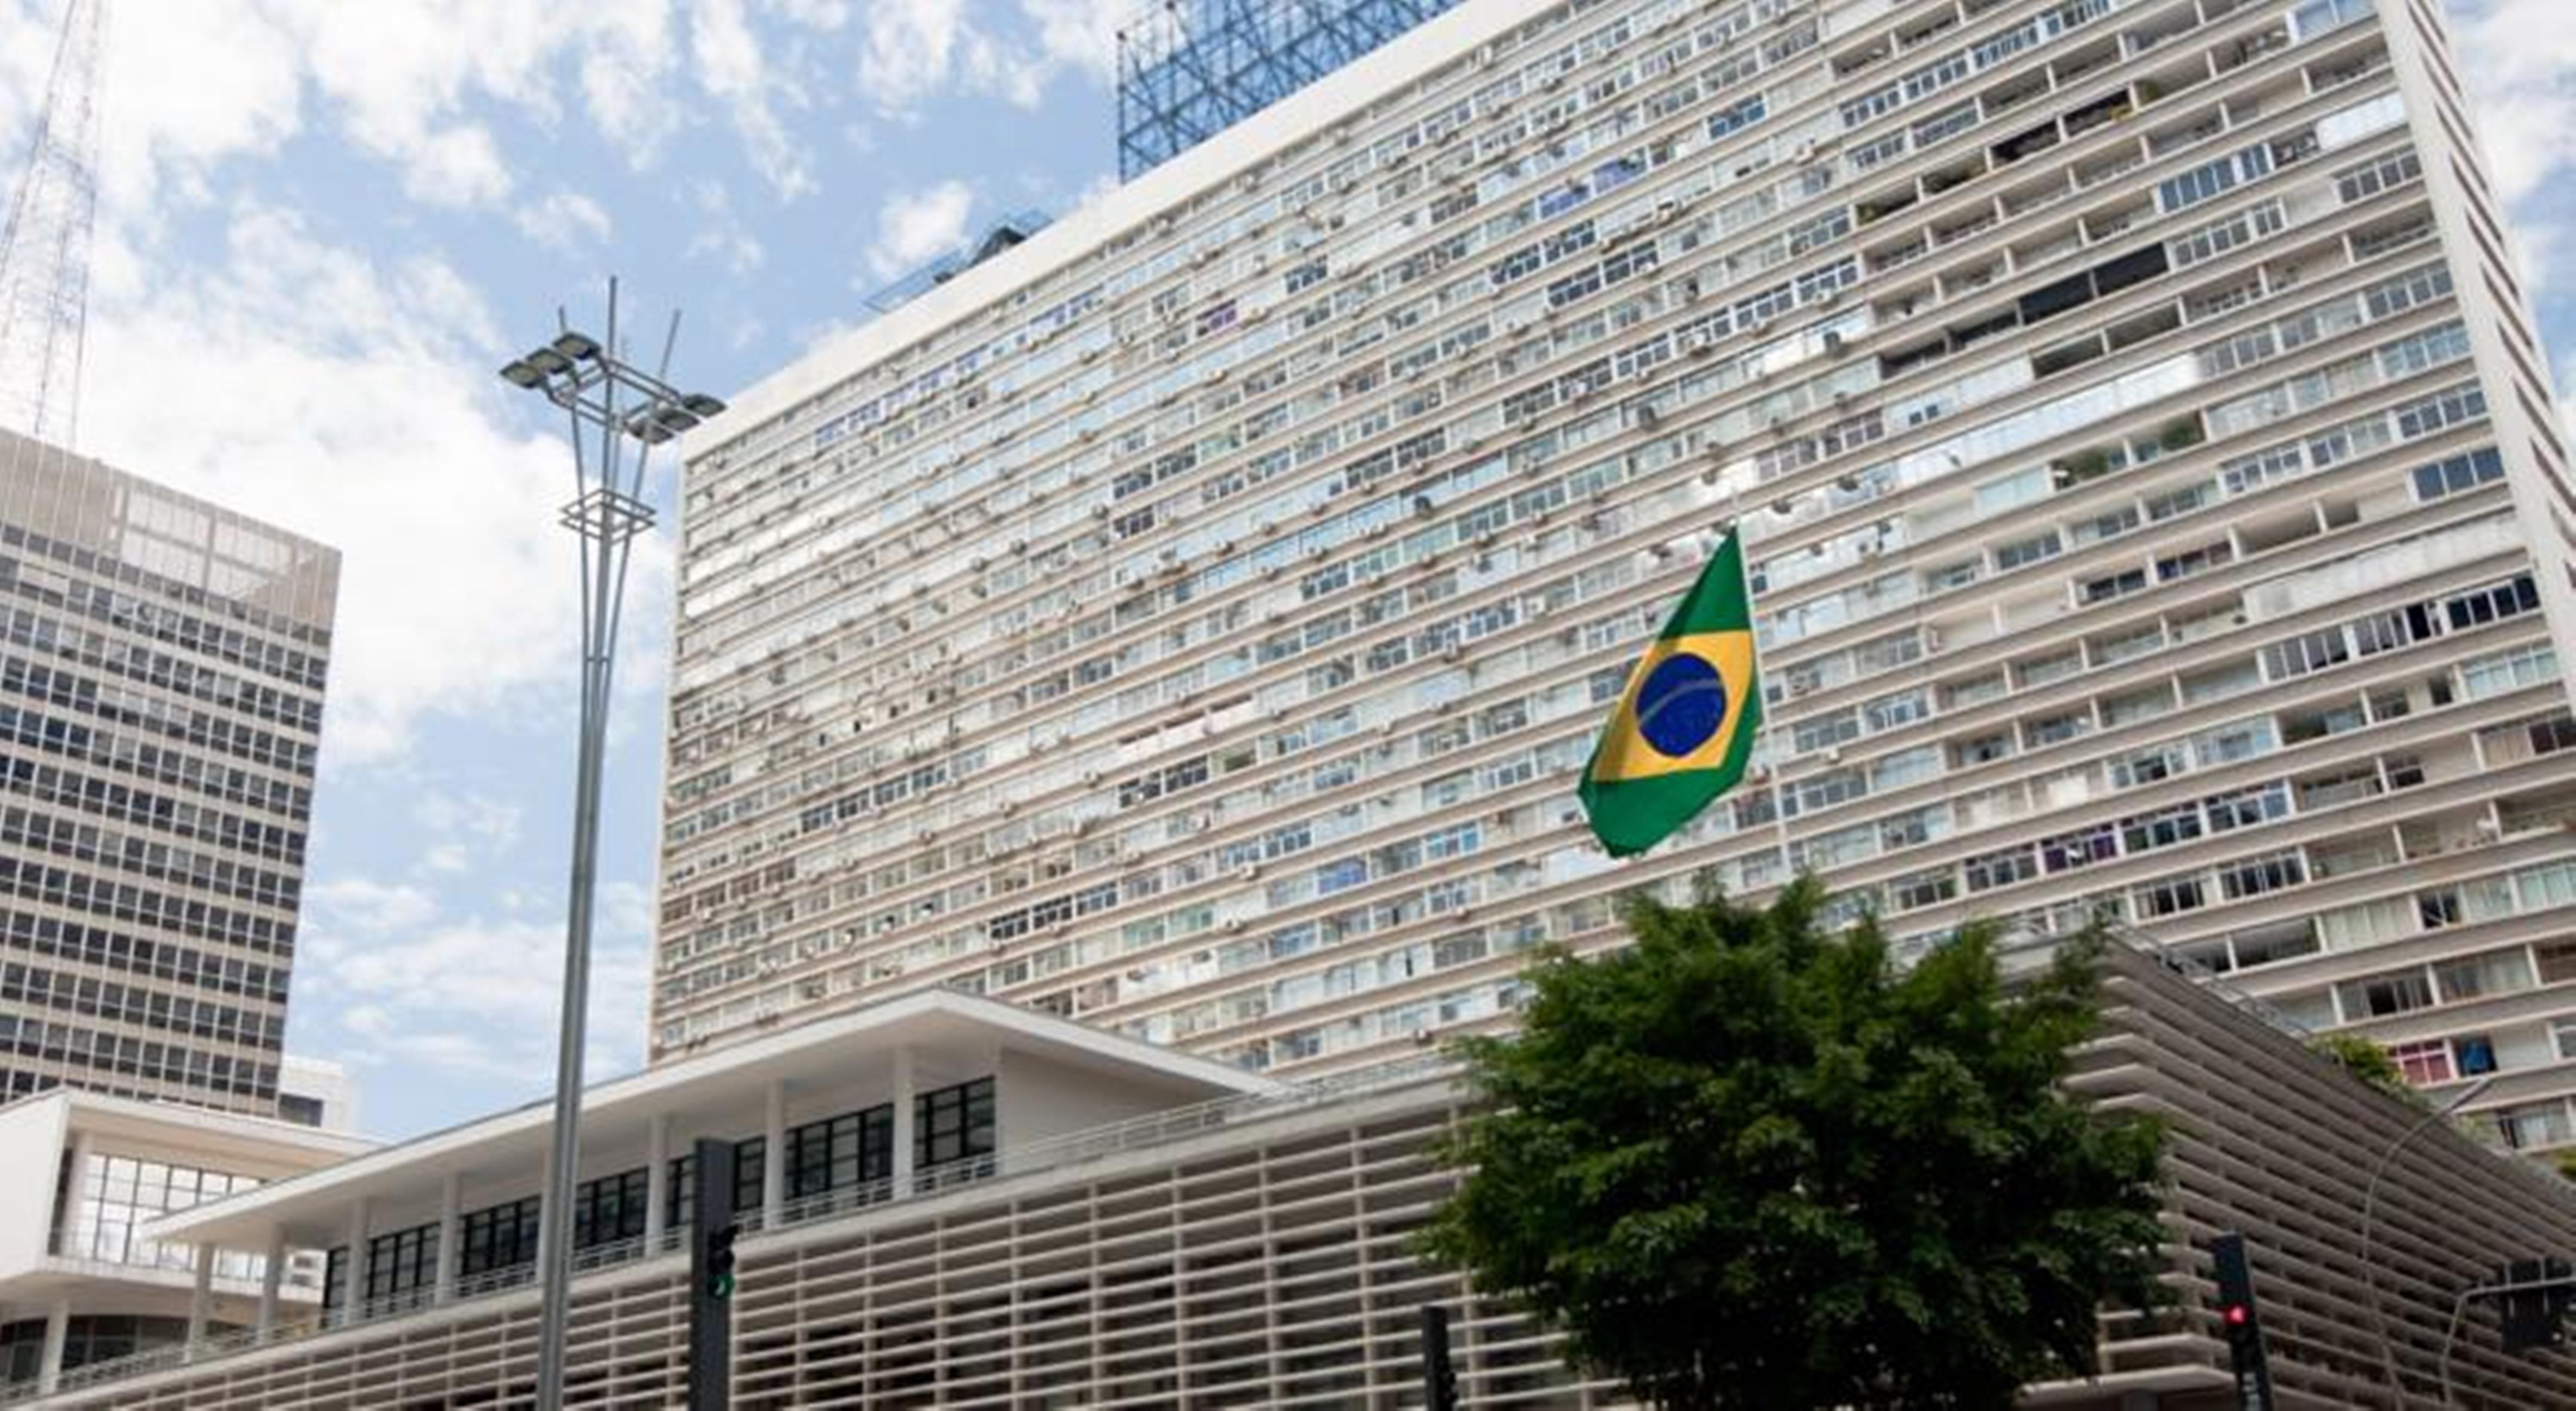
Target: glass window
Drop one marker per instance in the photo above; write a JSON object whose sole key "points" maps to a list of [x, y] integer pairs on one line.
{"points": [[2425, 1063], [838, 1153], [609, 1209], [953, 1124], [123, 1194], [496, 1238]]}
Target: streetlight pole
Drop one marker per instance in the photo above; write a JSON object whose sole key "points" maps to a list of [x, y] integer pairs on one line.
{"points": [[602, 394], [2370, 1229]]}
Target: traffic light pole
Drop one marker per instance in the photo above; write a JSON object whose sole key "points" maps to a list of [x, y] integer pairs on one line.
{"points": [[2552, 1286], [711, 1236], [1439, 1377], [2242, 1322]]}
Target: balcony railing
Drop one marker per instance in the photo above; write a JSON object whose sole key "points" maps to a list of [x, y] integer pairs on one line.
{"points": [[1152, 1130]]}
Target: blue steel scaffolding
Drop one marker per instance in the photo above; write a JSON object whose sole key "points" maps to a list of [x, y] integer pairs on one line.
{"points": [[1189, 69]]}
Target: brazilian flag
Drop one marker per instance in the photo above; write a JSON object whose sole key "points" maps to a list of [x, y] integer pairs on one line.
{"points": [[1684, 729]]}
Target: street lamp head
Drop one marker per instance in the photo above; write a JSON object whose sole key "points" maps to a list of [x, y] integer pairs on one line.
{"points": [[580, 347], [518, 373], [702, 405], [658, 423], [548, 362]]}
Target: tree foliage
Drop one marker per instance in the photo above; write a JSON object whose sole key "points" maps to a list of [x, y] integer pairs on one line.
{"points": [[2367, 1061], [1748, 1163]]}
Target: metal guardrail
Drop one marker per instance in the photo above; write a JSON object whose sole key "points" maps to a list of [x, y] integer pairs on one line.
{"points": [[1153, 1129], [2019, 941]]}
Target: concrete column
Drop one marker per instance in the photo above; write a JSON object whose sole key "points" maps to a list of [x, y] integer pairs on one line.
{"points": [[58, 1329], [201, 1294], [353, 1294], [904, 1125], [75, 1201], [657, 1182], [270, 1276], [451, 1235], [773, 1162]]}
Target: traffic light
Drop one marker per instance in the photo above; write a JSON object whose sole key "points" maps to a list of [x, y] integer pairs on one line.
{"points": [[2533, 1317], [2241, 1323], [719, 1276], [1439, 1379], [711, 1276]]}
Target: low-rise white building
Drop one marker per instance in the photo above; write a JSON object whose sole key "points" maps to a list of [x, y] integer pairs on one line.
{"points": [[315, 1092], [82, 1282], [982, 1206]]}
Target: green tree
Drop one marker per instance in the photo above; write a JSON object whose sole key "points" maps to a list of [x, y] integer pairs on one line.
{"points": [[2368, 1062], [1746, 1162]]}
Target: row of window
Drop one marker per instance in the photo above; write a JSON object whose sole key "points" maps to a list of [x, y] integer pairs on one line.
{"points": [[112, 1059], [124, 753], [951, 1125], [183, 629], [36, 987], [124, 706], [77, 788], [144, 906], [142, 956], [39, 830], [45, 633]]}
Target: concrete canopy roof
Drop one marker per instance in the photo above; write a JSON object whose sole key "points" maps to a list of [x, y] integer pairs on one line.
{"points": [[235, 1140], [314, 1207]]}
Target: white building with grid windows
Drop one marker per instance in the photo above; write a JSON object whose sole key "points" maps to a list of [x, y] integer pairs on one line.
{"points": [[162, 661], [1111, 1223], [1191, 621], [81, 1281]]}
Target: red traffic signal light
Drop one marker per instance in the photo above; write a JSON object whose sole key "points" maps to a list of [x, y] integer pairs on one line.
{"points": [[2237, 1315]]}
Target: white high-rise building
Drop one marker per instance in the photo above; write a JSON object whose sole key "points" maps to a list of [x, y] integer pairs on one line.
{"points": [[1193, 619]]}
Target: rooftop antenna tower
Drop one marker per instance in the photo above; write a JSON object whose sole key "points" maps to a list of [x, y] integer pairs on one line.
{"points": [[44, 253]]}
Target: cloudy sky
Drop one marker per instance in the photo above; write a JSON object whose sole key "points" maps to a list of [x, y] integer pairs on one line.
{"points": [[323, 224]]}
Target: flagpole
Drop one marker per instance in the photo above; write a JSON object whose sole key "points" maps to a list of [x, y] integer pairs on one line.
{"points": [[1762, 683]]}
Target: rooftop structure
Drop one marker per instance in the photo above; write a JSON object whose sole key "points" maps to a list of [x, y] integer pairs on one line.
{"points": [[161, 683], [82, 1283], [1193, 619], [1189, 69], [314, 1092], [986, 1207], [999, 235]]}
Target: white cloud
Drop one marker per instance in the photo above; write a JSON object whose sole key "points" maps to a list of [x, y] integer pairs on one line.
{"points": [[187, 86], [914, 226], [731, 68], [724, 236], [476, 996], [455, 166], [2518, 59], [566, 222], [487, 822], [374, 907], [914, 50], [1081, 35], [823, 15], [349, 399]]}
